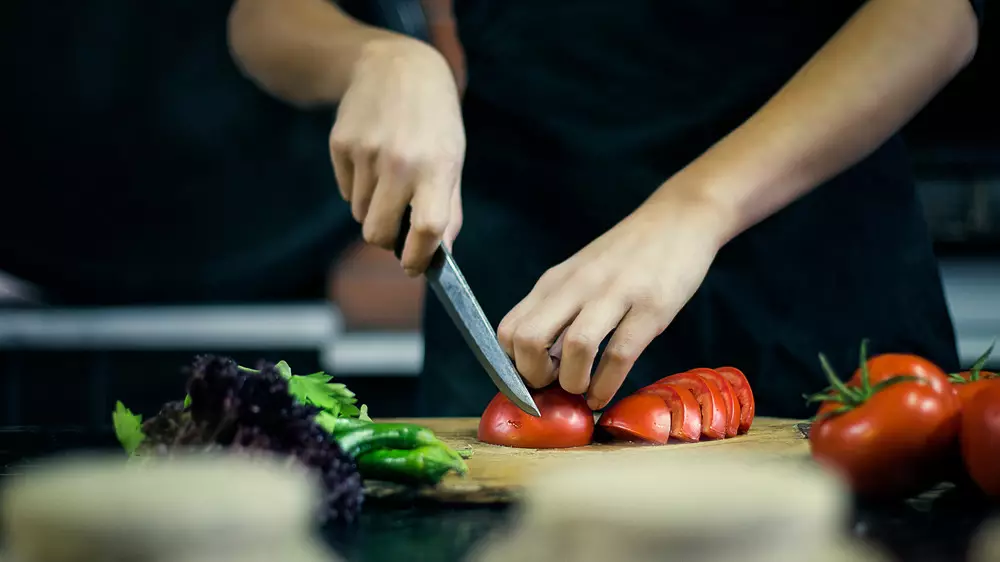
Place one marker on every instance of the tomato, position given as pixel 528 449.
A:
pixel 980 438
pixel 566 421
pixel 741 386
pixel 685 413
pixel 713 409
pixel 889 365
pixel 968 390
pixel 968 383
pixel 729 398
pixel 892 444
pixel 642 417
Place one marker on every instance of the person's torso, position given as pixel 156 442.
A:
pixel 576 112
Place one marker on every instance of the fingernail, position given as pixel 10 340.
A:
pixel 411 272
pixel 595 404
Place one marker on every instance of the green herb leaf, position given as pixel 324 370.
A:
pixel 128 428
pixel 363 413
pixel 283 369
pixel 187 401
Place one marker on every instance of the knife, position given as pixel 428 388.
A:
pixel 448 283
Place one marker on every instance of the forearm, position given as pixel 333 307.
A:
pixel 859 89
pixel 302 51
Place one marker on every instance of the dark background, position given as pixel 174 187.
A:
pixel 955 145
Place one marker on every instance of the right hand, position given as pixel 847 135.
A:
pixel 398 140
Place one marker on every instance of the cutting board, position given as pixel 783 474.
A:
pixel 498 474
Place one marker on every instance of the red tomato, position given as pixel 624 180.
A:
pixel 892 445
pixel 981 438
pixel 566 421
pixel 968 390
pixel 713 408
pixel 741 386
pixel 685 413
pixel 729 398
pixel 639 417
pixel 889 365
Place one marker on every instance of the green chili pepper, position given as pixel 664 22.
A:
pixel 425 465
pixel 334 425
pixel 359 440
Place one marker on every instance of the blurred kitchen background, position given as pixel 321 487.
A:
pixel 66 367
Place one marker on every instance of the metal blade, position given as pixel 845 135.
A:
pixel 446 280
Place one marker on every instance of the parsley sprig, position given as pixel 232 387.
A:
pixel 334 400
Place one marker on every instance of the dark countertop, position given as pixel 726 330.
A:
pixel 936 527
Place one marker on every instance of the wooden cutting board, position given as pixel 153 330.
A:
pixel 498 474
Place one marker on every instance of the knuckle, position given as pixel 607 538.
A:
pixel 430 228
pixel 621 353
pixel 529 338
pixel 579 343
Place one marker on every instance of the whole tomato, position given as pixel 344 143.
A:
pixel 890 436
pixel 968 383
pixel 882 368
pixel 980 438
pixel 566 421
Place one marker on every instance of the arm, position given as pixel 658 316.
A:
pixel 302 51
pixel 859 89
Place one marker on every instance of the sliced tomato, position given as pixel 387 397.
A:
pixel 638 417
pixel 980 437
pixel 685 413
pixel 713 408
pixel 729 398
pixel 741 386
pixel 566 421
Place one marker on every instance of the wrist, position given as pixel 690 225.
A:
pixel 697 201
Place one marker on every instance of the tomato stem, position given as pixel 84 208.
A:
pixel 977 367
pixel 848 396
pixel 863 367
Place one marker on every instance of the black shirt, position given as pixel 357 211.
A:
pixel 576 112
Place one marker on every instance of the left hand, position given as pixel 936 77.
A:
pixel 632 280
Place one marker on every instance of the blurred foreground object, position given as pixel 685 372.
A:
pixel 209 508
pixel 708 507
pixel 986 544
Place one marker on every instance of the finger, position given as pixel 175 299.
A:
pixel 389 201
pixel 455 223
pixel 363 186
pixel 343 171
pixel 634 333
pixel 549 280
pixel 428 220
pixel 537 331
pixel 582 338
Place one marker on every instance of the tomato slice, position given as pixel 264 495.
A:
pixel 713 408
pixel 741 386
pixel 685 413
pixel 638 417
pixel 566 421
pixel 728 398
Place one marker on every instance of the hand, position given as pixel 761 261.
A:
pixel 632 280
pixel 399 140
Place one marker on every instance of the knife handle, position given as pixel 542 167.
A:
pixel 404 229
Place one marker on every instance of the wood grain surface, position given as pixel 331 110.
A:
pixel 498 474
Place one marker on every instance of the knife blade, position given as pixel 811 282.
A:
pixel 449 285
